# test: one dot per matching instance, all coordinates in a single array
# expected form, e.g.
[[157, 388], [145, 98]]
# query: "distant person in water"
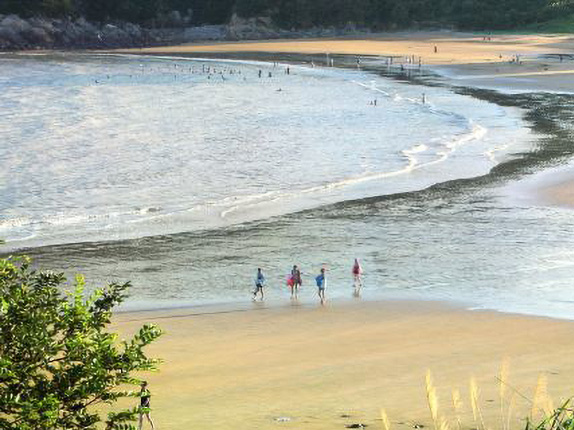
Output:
[[296, 281], [259, 284], [144, 410], [321, 284], [357, 275]]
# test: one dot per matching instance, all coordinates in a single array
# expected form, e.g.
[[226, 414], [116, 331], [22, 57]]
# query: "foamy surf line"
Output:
[[246, 208]]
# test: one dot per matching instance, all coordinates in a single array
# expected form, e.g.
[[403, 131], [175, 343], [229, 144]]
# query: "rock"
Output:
[[356, 426], [38, 32], [282, 419], [205, 32], [15, 23], [38, 36]]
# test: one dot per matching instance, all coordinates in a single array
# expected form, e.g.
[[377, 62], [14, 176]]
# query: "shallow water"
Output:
[[112, 147], [228, 175]]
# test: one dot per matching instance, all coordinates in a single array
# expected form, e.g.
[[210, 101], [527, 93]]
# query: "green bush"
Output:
[[57, 358]]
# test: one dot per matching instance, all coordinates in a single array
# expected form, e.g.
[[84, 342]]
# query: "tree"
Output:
[[57, 358]]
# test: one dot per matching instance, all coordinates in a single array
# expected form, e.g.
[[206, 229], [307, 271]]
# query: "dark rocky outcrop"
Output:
[[46, 33], [34, 33]]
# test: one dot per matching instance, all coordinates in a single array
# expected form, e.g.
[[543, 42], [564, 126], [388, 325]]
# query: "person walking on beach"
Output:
[[357, 273], [321, 284], [259, 284], [296, 281], [144, 410]]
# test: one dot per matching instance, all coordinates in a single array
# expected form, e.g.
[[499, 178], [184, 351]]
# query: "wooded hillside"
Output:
[[375, 14]]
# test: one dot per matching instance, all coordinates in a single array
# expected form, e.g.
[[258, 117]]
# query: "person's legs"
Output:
[[262, 294], [148, 416], [141, 421], [322, 295]]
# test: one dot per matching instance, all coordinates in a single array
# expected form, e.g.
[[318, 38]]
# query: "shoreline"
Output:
[[345, 62], [327, 367], [486, 178], [459, 56], [509, 64], [190, 310]]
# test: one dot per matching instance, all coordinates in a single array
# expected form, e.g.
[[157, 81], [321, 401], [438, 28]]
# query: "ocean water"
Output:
[[185, 175]]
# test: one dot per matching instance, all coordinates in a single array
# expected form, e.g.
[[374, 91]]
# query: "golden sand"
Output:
[[315, 365], [451, 48]]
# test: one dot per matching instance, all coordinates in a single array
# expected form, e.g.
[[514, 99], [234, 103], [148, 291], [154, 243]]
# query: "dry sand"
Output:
[[313, 365], [453, 48]]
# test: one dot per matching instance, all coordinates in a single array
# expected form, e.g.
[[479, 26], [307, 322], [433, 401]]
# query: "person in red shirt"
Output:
[[357, 275]]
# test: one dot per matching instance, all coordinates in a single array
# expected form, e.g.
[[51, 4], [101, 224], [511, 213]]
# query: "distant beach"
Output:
[[474, 59]]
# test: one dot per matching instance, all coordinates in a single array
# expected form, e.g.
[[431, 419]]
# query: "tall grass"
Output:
[[543, 415]]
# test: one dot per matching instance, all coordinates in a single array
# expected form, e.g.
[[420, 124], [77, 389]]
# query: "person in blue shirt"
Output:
[[259, 284], [321, 284]]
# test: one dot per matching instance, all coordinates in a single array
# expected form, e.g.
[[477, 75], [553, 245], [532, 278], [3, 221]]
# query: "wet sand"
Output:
[[556, 190], [327, 367], [561, 194]]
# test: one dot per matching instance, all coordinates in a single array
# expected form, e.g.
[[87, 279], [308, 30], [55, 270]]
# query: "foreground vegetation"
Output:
[[376, 14], [543, 415], [57, 358]]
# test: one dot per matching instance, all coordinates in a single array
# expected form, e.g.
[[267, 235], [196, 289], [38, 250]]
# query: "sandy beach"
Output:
[[327, 367]]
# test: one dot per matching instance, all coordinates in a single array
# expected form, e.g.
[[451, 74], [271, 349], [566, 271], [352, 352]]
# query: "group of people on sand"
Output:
[[295, 281]]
